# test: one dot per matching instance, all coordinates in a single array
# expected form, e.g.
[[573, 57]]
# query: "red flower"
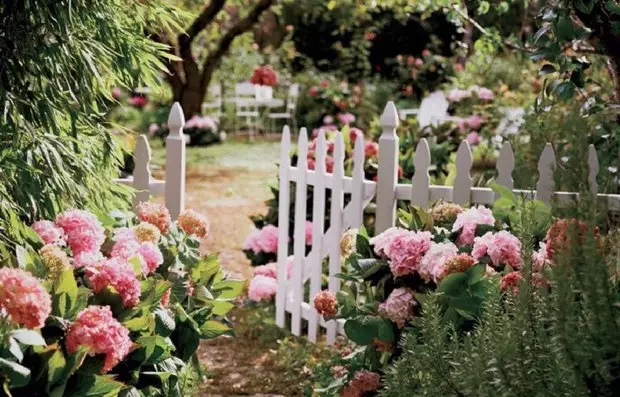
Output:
[[326, 304], [265, 75], [313, 91], [324, 83]]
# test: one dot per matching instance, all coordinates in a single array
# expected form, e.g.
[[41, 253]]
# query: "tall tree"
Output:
[[189, 76]]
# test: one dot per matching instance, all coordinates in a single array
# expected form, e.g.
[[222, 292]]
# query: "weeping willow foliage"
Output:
[[59, 60], [564, 341]]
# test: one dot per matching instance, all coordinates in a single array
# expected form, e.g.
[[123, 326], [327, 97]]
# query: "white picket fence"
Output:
[[173, 186], [387, 190]]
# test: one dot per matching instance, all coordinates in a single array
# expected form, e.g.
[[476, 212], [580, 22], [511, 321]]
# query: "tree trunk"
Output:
[[190, 99]]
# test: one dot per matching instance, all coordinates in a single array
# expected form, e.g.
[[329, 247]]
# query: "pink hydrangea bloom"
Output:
[[268, 239], [474, 121], [328, 120], [155, 214], [191, 222], [262, 288], [381, 241], [271, 269], [511, 281], [152, 257], [123, 233], [502, 247], [96, 328], [23, 297], [432, 264], [308, 232], [49, 233], [83, 230], [468, 220], [371, 149], [398, 307], [406, 250], [125, 248], [87, 259], [346, 118], [473, 138], [251, 241], [326, 304], [117, 273], [485, 94], [457, 95]]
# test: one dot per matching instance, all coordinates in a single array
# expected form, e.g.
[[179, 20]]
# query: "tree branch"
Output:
[[205, 18], [243, 26]]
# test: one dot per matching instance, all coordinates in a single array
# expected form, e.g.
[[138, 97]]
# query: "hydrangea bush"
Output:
[[455, 251], [111, 306]]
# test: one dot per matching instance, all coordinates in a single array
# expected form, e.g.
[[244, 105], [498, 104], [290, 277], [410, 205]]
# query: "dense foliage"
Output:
[[60, 61]]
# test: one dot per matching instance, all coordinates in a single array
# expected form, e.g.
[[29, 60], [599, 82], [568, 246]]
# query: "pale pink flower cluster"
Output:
[[502, 247], [23, 297], [468, 220], [346, 118], [473, 138], [116, 273], [263, 240], [191, 222], [308, 231], [83, 230], [49, 233], [406, 250], [483, 93], [432, 266], [398, 307], [127, 246], [363, 382], [155, 214], [85, 259], [262, 288], [540, 258], [371, 149], [202, 122], [381, 241], [96, 328]]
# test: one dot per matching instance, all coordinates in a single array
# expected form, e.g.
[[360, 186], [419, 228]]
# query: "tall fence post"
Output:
[[387, 177], [175, 162], [142, 171]]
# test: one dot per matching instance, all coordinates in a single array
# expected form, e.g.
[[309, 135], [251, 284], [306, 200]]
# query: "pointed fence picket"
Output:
[[295, 295], [173, 187]]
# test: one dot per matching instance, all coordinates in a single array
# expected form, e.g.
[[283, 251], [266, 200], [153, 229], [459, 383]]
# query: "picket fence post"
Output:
[[175, 162], [546, 165], [387, 177], [283, 225], [142, 171]]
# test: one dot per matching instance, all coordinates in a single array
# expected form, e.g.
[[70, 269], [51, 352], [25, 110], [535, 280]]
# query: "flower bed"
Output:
[[112, 306]]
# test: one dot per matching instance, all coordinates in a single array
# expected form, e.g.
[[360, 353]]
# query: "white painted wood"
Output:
[[546, 166], [175, 162], [336, 219], [142, 171], [357, 192], [421, 179], [283, 225], [299, 243], [387, 177], [463, 181], [593, 169], [318, 225], [505, 166]]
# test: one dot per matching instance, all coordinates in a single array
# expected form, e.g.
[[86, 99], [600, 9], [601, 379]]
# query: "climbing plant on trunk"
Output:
[[189, 75]]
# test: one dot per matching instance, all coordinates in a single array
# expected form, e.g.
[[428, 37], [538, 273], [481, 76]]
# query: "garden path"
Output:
[[228, 183]]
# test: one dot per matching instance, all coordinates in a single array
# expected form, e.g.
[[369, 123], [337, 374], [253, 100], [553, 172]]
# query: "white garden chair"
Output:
[[289, 108], [245, 105]]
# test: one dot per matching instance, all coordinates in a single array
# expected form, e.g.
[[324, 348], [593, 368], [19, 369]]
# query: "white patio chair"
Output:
[[289, 109], [245, 105], [215, 106]]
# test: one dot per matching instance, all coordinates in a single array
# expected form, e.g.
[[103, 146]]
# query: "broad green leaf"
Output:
[[164, 323], [15, 349], [221, 308], [17, 374], [229, 289], [504, 192], [64, 293], [95, 386], [28, 337], [212, 329], [153, 349]]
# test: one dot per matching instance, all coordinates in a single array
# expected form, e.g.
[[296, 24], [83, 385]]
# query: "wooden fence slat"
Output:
[[593, 169], [357, 193], [463, 182], [318, 226], [546, 166], [299, 244], [336, 219], [175, 162], [505, 166], [142, 171], [421, 179], [283, 225], [387, 176]]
